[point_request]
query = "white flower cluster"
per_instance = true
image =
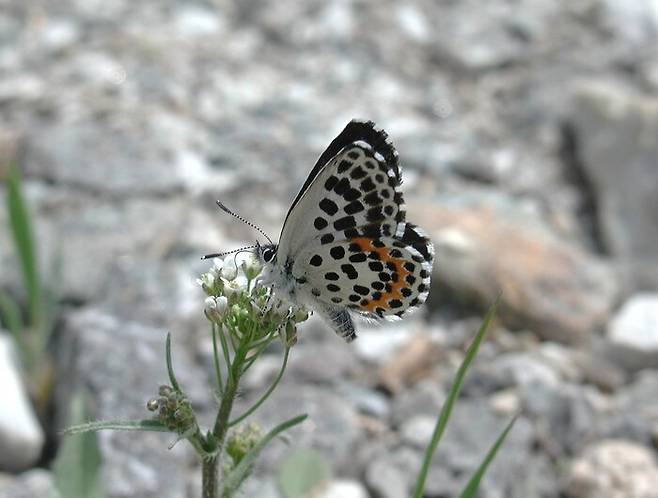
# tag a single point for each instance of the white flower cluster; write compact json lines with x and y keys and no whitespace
{"x":234,"y":290}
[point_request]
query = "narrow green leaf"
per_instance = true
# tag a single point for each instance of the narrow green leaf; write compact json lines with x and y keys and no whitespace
{"x":471,"y":489}
{"x":116,"y":425}
{"x":302,"y":473}
{"x":170,"y":368}
{"x":21,"y":228}
{"x":51,"y":298}
{"x":235,"y":478}
{"x":11,"y":319}
{"x":267,"y":393}
{"x":446,"y":411}
{"x":77,"y":468}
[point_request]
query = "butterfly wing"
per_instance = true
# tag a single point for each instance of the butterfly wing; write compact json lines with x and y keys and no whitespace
{"x":353,"y":191}
{"x":346,"y":237}
{"x":382,"y":277}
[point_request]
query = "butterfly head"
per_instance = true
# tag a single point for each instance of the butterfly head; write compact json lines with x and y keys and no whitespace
{"x":266,"y":253}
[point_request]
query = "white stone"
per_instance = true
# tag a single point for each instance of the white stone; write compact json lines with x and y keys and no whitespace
{"x":21,"y":436}
{"x":60,"y":35}
{"x":344,"y":489}
{"x":614,"y":469}
{"x":380,"y":343}
{"x":418,"y":430}
{"x":633,"y":332}
{"x":413,"y":23}
{"x":197,"y":21}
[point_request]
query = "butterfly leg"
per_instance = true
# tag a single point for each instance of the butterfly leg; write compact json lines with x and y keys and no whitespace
{"x":340,"y":320}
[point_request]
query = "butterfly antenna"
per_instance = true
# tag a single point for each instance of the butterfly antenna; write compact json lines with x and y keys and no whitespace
{"x":252,"y":225}
{"x":220,"y":254}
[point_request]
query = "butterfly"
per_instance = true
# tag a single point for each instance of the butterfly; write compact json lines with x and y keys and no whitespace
{"x":345,"y":246}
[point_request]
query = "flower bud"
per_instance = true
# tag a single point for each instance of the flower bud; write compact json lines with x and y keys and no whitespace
{"x":251,"y":267}
{"x":215,"y":308}
{"x":229,"y":270}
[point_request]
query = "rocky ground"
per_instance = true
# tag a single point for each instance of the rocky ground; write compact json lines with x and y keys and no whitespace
{"x":528,"y":133}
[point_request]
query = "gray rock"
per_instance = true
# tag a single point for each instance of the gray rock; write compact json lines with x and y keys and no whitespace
{"x":565,"y":416}
{"x":633,"y":333}
{"x":379,"y":343}
{"x":635,"y":22}
{"x":332,"y":426}
{"x":635,"y":414}
{"x":325,"y":362}
{"x":613,"y":469}
{"x":120,"y":365}
{"x":498,"y":36}
{"x":466,"y":442}
{"x":424,"y":398}
{"x":547,"y":284}
{"x":417,"y":431}
{"x":21,"y":435}
{"x":36,"y":482}
{"x":616,"y":130}
{"x":367,"y":401}
{"x":391,"y":473}
{"x":526,"y":369}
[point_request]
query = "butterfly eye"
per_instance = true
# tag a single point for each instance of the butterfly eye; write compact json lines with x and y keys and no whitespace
{"x":268,"y":254}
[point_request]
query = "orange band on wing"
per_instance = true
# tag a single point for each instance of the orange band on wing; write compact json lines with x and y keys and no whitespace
{"x":366,"y":246}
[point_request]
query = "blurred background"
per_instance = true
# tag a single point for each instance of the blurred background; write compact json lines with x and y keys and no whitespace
{"x":528,"y":137}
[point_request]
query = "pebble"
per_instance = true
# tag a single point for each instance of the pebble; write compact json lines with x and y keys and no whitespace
{"x":613,"y":469}
{"x":21,"y":435}
{"x":633,"y":333}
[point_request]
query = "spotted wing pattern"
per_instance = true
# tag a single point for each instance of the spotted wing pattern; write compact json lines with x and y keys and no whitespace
{"x":382,"y":277}
{"x":356,"y":192}
{"x":346,"y":242}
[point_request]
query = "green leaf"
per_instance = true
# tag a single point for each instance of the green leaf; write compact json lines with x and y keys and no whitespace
{"x":471,"y":489}
{"x":237,"y":476}
{"x":116,"y":425}
{"x":170,"y":368}
{"x":302,"y":473}
{"x":11,"y":319}
{"x":267,"y":393}
{"x":77,"y":468}
{"x":446,"y":411}
{"x":21,"y":228}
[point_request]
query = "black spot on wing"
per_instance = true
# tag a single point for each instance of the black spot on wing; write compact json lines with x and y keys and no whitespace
{"x":367,"y":185}
{"x":375,"y":214}
{"x":359,"y":257}
{"x":337,"y":252}
{"x":350,"y":271}
{"x":354,"y":207}
{"x":351,"y":195}
{"x":327,"y":239}
{"x":344,"y":223}
{"x":331,"y":182}
{"x":328,"y":206}
{"x":344,"y":165}
{"x":342,"y":186}
{"x":358,"y":173}
{"x":320,"y":223}
{"x":372,"y":199}
{"x":417,"y":241}
{"x":360,"y":289}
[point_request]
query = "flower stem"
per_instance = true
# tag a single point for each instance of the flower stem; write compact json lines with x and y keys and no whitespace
{"x":209,"y":477}
{"x":210,"y":481}
{"x":256,"y":405}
